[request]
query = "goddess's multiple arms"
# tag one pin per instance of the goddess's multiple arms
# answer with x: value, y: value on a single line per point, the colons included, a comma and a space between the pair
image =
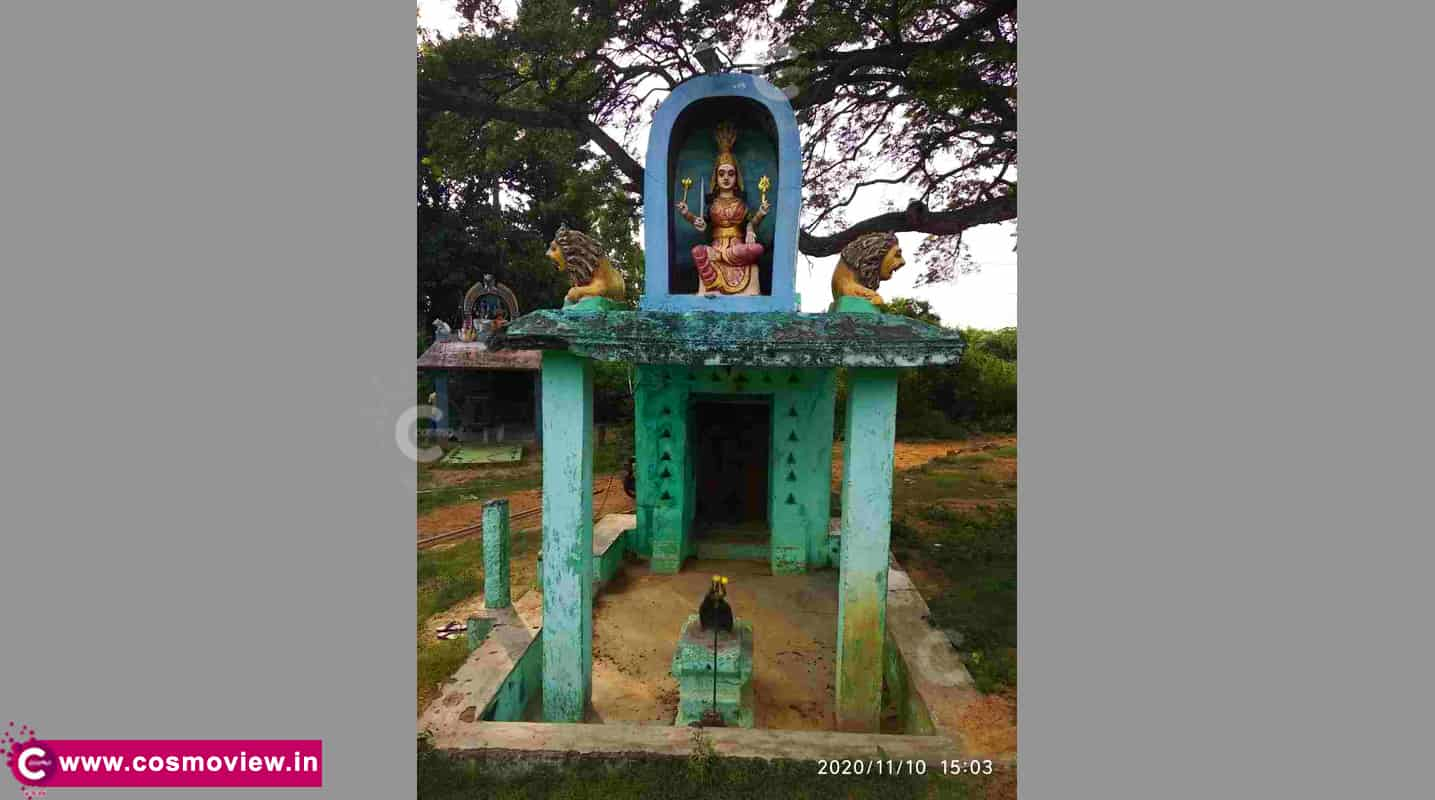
x: 695, y: 220
x: 755, y: 220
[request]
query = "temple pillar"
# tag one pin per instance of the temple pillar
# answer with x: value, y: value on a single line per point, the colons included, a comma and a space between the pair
x: 800, y: 468
x: 496, y: 592
x: 567, y: 536
x: 665, y: 479
x: 866, y: 538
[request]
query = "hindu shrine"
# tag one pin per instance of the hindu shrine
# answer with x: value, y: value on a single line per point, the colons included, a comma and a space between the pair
x: 735, y: 394
x: 483, y: 393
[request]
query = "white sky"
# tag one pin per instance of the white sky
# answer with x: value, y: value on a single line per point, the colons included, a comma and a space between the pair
x: 983, y: 299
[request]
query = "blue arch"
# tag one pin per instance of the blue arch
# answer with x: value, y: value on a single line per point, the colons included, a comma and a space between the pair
x: 658, y: 197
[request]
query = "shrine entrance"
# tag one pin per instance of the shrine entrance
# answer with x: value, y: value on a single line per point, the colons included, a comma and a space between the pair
x: 731, y: 438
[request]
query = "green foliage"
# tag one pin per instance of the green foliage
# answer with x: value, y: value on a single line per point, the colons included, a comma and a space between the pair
x: 911, y: 307
x: 703, y: 758
x: 612, y: 391
x: 979, y: 394
x: 992, y: 670
x: 920, y: 85
x: 491, y: 192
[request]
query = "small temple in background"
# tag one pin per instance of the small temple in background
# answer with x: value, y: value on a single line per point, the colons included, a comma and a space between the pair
x: 485, y: 394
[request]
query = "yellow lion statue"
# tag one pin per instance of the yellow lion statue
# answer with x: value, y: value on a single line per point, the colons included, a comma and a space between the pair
x: 865, y: 262
x: 587, y: 266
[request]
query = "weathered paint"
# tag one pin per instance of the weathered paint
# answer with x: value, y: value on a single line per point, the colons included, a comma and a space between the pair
x: 772, y: 339
x: 496, y: 590
x: 911, y: 711
x: 592, y: 305
x: 659, y: 195
x: 476, y: 630
x: 800, y: 461
x: 866, y: 535
x: 800, y: 471
x: 567, y: 536
x: 664, y: 469
x: 519, y: 689
x: 854, y: 305
x: 693, y: 661
x: 608, y: 560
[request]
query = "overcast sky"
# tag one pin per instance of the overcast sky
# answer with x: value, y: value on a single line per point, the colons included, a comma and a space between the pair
x: 983, y: 299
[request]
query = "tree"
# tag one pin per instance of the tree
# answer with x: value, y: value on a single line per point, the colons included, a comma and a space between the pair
x: 925, y: 90
x: 490, y: 196
x: 980, y: 391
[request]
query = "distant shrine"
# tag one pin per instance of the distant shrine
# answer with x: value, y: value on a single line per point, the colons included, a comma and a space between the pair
x: 485, y: 394
x: 735, y: 390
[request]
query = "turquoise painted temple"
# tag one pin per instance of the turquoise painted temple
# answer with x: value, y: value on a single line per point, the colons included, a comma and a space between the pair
x: 735, y: 395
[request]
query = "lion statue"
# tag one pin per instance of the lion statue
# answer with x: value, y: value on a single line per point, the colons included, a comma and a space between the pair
x: 864, y: 264
x: 587, y: 266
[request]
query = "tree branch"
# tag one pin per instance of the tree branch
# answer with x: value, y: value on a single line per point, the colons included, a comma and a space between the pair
x: 915, y: 218
x: 461, y: 102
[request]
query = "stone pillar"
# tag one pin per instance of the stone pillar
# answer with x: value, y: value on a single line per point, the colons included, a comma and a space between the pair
x: 496, y: 593
x: 866, y: 537
x: 445, y: 423
x: 567, y: 536
x: 665, y: 481
x: 800, y: 468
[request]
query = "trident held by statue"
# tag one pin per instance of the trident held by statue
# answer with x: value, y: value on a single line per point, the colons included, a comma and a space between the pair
x: 763, y: 185
x: 687, y: 184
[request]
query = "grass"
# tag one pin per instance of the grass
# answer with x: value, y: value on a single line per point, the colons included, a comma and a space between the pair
x: 973, y: 556
x: 448, y: 576
x: 964, y: 559
x: 702, y: 776
x: 436, y: 663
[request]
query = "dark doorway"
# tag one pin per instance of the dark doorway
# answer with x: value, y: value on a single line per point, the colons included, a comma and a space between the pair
x: 730, y: 441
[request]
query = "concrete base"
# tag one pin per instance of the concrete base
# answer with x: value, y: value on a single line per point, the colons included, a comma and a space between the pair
x: 693, y: 663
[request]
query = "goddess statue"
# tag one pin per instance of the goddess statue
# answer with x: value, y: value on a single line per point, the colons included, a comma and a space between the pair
x: 728, y: 266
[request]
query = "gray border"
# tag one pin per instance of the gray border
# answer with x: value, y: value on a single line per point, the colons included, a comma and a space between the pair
x: 1216, y: 582
x: 1216, y: 348
x: 208, y: 295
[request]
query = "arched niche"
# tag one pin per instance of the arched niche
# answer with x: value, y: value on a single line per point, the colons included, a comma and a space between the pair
x: 485, y: 299
x: 681, y: 144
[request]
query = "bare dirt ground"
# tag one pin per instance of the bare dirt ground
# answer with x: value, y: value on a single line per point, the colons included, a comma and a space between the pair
x: 638, y: 616
x: 611, y: 499
x: 909, y: 455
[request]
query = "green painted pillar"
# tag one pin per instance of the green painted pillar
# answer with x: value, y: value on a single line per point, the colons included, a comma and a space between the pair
x: 800, y: 468
x: 866, y: 537
x: 496, y: 592
x: 567, y: 536
x: 665, y: 480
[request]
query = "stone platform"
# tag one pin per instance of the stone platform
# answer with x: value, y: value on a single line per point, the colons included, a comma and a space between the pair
x: 693, y: 667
